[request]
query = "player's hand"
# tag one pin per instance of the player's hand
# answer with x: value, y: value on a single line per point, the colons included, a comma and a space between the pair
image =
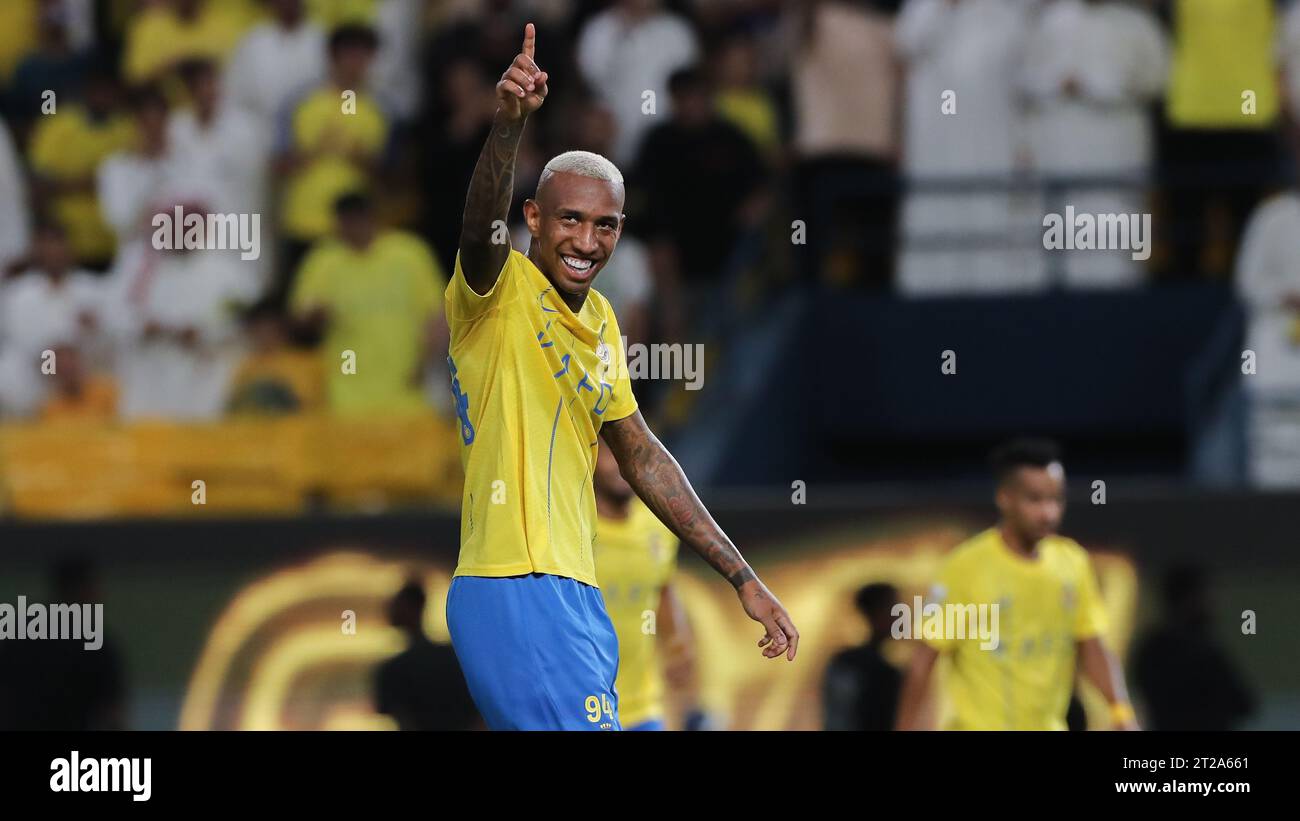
x: 781, y: 635
x: 523, y: 87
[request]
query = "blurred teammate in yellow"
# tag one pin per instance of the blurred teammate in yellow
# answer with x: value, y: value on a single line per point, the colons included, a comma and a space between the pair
x: 1049, y: 614
x: 636, y: 557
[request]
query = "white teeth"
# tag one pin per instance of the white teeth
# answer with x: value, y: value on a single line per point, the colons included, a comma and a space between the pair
x: 577, y: 264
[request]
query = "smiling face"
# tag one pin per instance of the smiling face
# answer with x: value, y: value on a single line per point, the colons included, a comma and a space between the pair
x: 575, y: 222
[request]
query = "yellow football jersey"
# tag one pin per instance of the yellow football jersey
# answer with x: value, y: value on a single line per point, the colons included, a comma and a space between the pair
x: 1045, y: 605
x: 635, y: 559
x: 533, y: 383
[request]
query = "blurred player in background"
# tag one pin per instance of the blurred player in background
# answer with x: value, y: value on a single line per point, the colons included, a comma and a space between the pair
x: 636, y: 557
x: 539, y: 374
x: 1050, y: 612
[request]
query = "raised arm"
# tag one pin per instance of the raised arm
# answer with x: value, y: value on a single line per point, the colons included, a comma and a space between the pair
x: 487, y: 206
x: 657, y: 478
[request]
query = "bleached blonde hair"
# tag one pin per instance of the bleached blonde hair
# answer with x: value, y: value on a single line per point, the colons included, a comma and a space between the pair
x: 584, y: 164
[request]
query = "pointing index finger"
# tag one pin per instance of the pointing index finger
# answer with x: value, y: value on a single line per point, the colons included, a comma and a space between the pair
x: 530, y: 40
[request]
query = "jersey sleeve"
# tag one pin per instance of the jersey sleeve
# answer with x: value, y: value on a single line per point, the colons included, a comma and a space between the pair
x: 1090, y: 617
x: 622, y: 403
x: 464, y: 305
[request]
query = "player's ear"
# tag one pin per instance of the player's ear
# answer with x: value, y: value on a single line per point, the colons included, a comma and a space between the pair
x: 533, y: 216
x: 1000, y: 497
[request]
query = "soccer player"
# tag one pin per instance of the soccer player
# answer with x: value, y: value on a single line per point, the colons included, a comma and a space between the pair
x: 636, y: 557
x: 1050, y: 615
x: 540, y: 376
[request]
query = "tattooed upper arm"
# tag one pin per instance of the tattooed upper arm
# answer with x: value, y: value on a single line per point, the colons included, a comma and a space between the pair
x: 627, y: 437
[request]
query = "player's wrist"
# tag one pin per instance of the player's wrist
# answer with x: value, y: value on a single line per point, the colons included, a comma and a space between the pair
x: 504, y: 117
x: 745, y: 575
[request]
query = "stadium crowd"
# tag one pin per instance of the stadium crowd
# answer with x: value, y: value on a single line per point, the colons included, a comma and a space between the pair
x: 912, y: 145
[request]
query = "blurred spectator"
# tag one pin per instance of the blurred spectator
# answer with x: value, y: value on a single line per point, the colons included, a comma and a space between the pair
x: 66, y: 149
x: 276, y: 60
x: 1093, y: 67
x: 59, y: 684
x: 845, y: 87
x: 218, y: 147
x: 19, y: 34
x: 964, y: 124
x: 861, y: 688
x: 742, y: 99
x: 50, y: 305
x: 629, y: 49
x: 422, y: 687
x: 451, y: 150
x: 333, y: 142
x: 376, y: 293
x: 1268, y: 282
x: 395, y: 76
x: 334, y: 13
x: 131, y: 182
x: 1220, y: 152
x: 274, y: 378
x: 168, y: 32
x: 173, y: 315
x: 1185, y: 678
x: 56, y: 65
x: 703, y: 183
x: 77, y: 394
x: 14, y: 227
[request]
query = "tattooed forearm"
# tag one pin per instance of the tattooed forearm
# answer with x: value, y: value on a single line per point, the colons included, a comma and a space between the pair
x: 490, y: 192
x: 657, y: 478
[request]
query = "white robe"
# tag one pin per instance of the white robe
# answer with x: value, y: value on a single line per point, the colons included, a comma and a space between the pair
x: 161, y: 378
x: 622, y: 62
x: 1268, y: 269
x: 272, y: 65
x: 38, y: 316
x: 972, y: 49
x: 1118, y: 56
